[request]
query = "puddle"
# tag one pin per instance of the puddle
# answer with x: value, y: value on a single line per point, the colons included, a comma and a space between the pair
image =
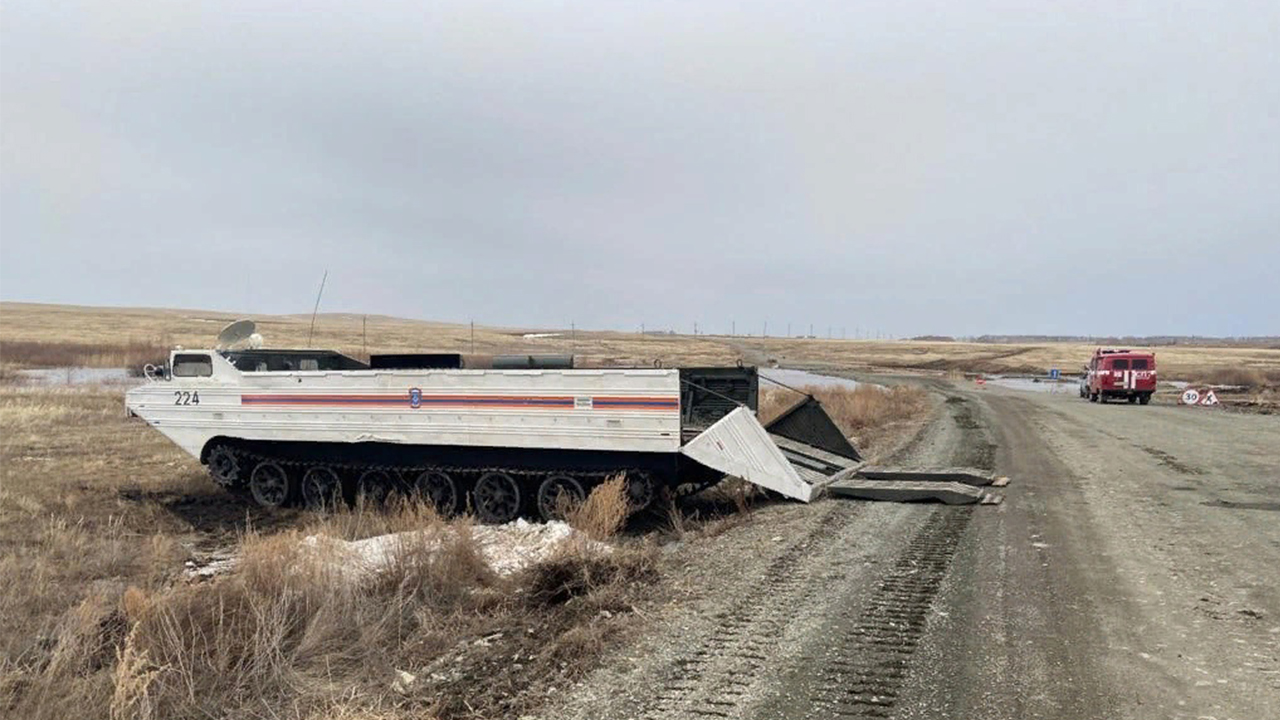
x: 1036, y: 384
x: 78, y: 376
x: 800, y: 378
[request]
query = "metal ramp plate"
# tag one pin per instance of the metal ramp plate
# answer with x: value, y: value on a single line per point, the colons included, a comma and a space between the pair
x: 968, y: 476
x: 815, y: 465
x: 951, y: 493
x: 806, y: 422
x: 738, y: 445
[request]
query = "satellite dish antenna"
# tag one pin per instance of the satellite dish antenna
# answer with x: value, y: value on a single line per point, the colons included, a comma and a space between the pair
x: 240, y: 331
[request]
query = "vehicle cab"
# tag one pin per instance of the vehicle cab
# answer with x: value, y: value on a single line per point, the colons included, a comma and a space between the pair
x: 1113, y: 373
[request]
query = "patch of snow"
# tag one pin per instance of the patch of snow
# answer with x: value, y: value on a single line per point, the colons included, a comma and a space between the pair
x: 506, y: 548
x: 535, y: 336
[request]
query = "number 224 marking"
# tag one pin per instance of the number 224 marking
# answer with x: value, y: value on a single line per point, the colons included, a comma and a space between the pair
x: 184, y: 397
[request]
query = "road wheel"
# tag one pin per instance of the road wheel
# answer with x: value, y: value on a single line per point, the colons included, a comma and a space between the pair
x: 269, y: 485
x: 439, y: 489
x: 321, y: 488
x: 1093, y: 397
x: 559, y: 495
x: 497, y: 498
x: 224, y: 467
x: 639, y: 491
x: 1144, y: 398
x: 1132, y: 399
x: 373, y: 487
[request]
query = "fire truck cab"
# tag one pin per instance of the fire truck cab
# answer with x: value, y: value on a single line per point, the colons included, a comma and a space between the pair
x: 1120, y: 374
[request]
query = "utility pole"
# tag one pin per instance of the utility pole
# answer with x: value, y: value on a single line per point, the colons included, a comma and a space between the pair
x: 733, y: 328
x: 810, y: 329
x: 766, y: 329
x: 473, y: 337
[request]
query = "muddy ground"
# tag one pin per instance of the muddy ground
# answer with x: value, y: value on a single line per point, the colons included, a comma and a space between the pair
x: 1133, y: 571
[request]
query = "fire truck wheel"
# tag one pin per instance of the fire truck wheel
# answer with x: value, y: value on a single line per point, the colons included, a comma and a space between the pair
x: 497, y: 498
x: 1133, y: 399
x: 557, y: 495
x: 321, y: 488
x: 1144, y: 398
x: 269, y: 485
x: 1093, y: 397
x: 439, y: 489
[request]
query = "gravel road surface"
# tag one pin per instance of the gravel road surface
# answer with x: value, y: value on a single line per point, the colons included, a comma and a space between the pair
x: 1133, y: 571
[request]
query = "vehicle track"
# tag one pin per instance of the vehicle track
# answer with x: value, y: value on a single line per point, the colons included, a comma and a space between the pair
x: 860, y: 661
x: 829, y: 626
x: 712, y: 678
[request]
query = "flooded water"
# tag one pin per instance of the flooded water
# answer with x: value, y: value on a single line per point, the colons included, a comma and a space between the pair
x: 78, y: 376
x: 1066, y: 385
x: 800, y: 378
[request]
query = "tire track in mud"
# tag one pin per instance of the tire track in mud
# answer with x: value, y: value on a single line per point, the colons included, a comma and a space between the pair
x: 864, y: 657
x: 713, y: 678
x: 958, y: 435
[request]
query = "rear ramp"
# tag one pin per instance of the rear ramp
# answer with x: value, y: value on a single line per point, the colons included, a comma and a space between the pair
x: 814, y: 444
x: 806, y: 422
x: 798, y: 454
x: 738, y: 445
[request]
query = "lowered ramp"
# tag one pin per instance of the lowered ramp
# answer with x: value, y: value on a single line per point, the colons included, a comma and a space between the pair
x: 738, y: 445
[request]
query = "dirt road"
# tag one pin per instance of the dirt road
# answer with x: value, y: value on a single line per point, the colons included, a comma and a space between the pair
x: 1133, y: 571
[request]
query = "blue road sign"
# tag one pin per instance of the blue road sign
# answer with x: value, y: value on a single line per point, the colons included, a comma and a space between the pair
x: 1054, y: 373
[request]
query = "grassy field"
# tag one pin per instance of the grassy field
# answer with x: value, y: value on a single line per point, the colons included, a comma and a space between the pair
x: 34, y: 335
x: 99, y: 514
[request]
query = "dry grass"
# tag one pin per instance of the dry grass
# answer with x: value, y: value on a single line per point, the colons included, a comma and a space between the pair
x: 131, y: 354
x: 868, y: 414
x: 62, y: 330
x: 1175, y: 362
x: 289, y: 635
x: 605, y: 510
x: 1245, y: 377
x: 98, y: 514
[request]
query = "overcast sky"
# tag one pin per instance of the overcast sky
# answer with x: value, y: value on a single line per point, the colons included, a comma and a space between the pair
x: 956, y: 167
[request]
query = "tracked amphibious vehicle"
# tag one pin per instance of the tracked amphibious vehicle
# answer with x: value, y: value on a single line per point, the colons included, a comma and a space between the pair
x: 502, y: 436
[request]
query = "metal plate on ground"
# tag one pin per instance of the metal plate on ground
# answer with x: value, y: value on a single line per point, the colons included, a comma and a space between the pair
x: 968, y: 476
x: 951, y: 493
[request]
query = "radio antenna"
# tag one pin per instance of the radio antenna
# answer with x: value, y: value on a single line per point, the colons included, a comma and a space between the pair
x: 316, y: 309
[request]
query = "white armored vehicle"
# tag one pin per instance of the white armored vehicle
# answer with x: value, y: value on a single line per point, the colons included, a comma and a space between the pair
x: 503, y: 437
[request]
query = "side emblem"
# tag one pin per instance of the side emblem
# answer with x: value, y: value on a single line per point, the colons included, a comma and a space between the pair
x: 415, y: 398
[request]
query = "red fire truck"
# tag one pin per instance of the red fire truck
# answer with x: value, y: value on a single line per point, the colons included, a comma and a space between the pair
x: 1120, y: 374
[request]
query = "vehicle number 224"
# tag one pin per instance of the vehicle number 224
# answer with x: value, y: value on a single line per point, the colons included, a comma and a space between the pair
x: 185, y: 397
